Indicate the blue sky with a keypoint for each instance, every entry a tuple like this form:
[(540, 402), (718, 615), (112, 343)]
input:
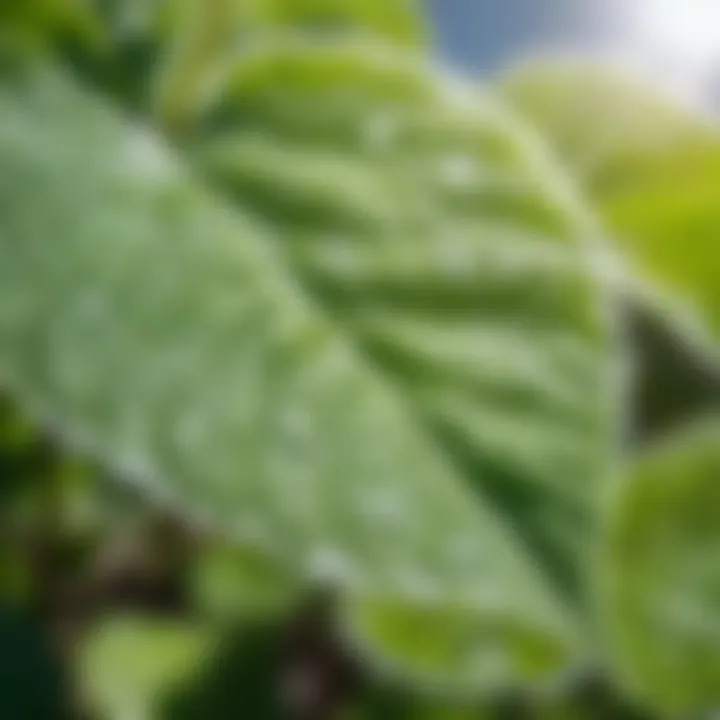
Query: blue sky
[(481, 35), (675, 40)]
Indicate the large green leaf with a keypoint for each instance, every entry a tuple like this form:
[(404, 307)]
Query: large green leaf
[(430, 226), (661, 574), (650, 164), (159, 331)]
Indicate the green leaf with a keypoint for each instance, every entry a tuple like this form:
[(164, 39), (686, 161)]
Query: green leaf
[(242, 677), (399, 707), (36, 21), (396, 20), (230, 583), (207, 32), (438, 647), (661, 573), (170, 342), (128, 666), (650, 165), (431, 228)]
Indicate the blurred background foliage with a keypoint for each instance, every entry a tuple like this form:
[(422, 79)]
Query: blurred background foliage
[(113, 608)]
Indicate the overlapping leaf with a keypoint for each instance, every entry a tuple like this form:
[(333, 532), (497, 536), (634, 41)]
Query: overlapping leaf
[(169, 341), (661, 574), (650, 164)]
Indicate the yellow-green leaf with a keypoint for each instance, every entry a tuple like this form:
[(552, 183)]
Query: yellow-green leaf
[(660, 574), (650, 165), (128, 667)]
